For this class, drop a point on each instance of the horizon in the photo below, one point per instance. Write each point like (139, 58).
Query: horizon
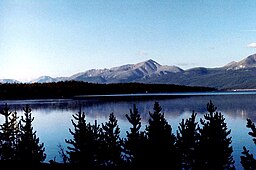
(42, 76)
(62, 38)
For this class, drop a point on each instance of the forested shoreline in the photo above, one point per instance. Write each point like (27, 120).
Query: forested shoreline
(203, 144)
(69, 89)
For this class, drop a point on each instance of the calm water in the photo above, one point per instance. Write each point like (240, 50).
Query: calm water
(53, 117)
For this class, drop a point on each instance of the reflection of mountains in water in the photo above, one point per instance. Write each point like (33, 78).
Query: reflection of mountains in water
(233, 105)
(45, 104)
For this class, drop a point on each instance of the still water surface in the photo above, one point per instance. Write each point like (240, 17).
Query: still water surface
(53, 116)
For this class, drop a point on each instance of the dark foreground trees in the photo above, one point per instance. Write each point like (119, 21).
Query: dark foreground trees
(187, 142)
(84, 147)
(247, 159)
(9, 133)
(135, 143)
(198, 145)
(206, 145)
(214, 147)
(110, 144)
(93, 146)
(19, 145)
(29, 148)
(160, 141)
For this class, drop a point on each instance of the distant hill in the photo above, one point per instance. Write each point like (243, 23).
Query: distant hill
(235, 75)
(9, 81)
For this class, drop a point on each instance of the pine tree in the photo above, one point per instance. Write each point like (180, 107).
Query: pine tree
(111, 144)
(84, 145)
(8, 134)
(76, 150)
(247, 159)
(187, 141)
(215, 150)
(162, 152)
(135, 141)
(29, 150)
(15, 131)
(94, 143)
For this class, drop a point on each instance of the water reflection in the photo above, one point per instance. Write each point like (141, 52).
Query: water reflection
(233, 105)
(53, 117)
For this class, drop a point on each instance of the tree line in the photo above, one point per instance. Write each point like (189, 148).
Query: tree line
(69, 89)
(195, 145)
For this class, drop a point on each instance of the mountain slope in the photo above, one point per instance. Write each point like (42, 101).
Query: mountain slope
(11, 81)
(43, 79)
(217, 78)
(235, 75)
(126, 73)
(248, 62)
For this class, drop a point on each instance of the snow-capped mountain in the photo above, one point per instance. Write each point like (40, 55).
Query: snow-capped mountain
(48, 79)
(11, 81)
(125, 73)
(235, 75)
(248, 62)
(43, 79)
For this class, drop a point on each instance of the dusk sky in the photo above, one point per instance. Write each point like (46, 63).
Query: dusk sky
(64, 37)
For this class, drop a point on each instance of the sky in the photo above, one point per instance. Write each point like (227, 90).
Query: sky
(63, 37)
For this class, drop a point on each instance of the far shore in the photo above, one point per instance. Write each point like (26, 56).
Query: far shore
(167, 95)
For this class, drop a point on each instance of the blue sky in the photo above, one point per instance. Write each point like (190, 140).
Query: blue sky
(63, 37)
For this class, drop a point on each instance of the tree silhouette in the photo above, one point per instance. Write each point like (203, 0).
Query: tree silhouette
(77, 149)
(15, 131)
(135, 141)
(110, 154)
(9, 133)
(67, 89)
(84, 145)
(29, 150)
(162, 153)
(215, 150)
(247, 159)
(187, 141)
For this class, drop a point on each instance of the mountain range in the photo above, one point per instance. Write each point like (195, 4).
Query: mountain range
(235, 75)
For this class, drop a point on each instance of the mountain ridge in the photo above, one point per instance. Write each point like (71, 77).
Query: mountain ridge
(230, 76)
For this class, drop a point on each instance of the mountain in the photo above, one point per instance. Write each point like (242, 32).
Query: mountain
(43, 79)
(248, 62)
(126, 73)
(9, 81)
(234, 75)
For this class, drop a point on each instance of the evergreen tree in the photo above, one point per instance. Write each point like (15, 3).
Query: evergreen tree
(8, 137)
(187, 141)
(84, 145)
(215, 150)
(15, 131)
(94, 143)
(111, 144)
(162, 153)
(29, 150)
(247, 159)
(77, 148)
(135, 141)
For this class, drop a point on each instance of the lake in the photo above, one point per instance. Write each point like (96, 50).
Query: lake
(53, 116)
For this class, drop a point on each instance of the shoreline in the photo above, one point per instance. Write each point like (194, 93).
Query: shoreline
(166, 95)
